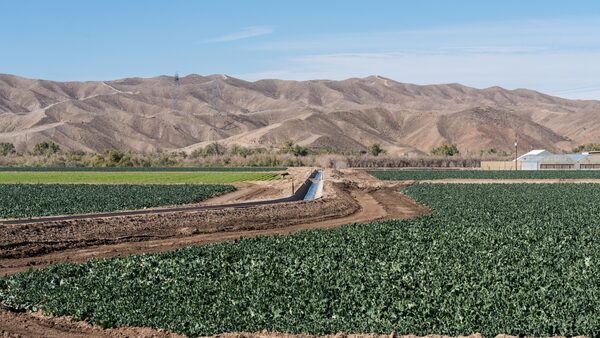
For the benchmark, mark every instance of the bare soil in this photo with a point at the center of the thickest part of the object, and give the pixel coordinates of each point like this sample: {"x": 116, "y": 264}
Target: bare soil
{"x": 349, "y": 199}
{"x": 261, "y": 190}
{"x": 35, "y": 325}
{"x": 511, "y": 181}
{"x": 343, "y": 335}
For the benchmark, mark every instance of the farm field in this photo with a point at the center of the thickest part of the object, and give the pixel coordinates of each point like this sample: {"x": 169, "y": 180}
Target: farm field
{"x": 31, "y": 200}
{"x": 132, "y": 177}
{"x": 146, "y": 169}
{"x": 482, "y": 174}
{"x": 513, "y": 259}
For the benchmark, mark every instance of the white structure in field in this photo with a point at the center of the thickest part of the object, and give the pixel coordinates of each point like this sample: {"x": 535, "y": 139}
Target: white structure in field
{"x": 590, "y": 162}
{"x": 544, "y": 160}
{"x": 531, "y": 160}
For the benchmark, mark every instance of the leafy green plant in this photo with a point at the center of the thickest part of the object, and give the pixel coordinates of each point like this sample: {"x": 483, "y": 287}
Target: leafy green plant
{"x": 522, "y": 260}
{"x": 133, "y": 177}
{"x": 482, "y": 174}
{"x": 145, "y": 169}
{"x": 43, "y": 200}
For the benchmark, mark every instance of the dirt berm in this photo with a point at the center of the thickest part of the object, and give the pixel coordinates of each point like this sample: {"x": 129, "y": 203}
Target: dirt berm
{"x": 27, "y": 240}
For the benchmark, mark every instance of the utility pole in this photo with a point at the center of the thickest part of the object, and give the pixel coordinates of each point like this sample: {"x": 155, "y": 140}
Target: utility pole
{"x": 293, "y": 186}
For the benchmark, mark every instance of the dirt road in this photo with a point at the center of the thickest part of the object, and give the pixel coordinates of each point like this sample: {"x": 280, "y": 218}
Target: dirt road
{"x": 510, "y": 181}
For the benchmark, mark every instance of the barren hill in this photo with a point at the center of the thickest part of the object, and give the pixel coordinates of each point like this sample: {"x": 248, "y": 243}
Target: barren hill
{"x": 146, "y": 114}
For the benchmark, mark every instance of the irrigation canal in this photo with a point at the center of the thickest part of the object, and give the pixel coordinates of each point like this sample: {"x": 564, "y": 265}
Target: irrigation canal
{"x": 311, "y": 189}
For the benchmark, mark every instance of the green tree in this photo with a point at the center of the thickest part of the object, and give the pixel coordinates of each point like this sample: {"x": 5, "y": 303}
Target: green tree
{"x": 7, "y": 149}
{"x": 587, "y": 147}
{"x": 114, "y": 156}
{"x": 215, "y": 149}
{"x": 240, "y": 151}
{"x": 375, "y": 149}
{"x": 446, "y": 149}
{"x": 295, "y": 149}
{"x": 45, "y": 148}
{"x": 287, "y": 147}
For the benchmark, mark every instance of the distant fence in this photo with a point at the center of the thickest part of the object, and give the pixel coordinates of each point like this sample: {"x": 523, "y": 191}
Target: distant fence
{"x": 499, "y": 165}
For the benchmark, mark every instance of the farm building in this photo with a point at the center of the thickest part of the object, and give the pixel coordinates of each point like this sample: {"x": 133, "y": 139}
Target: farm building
{"x": 544, "y": 160}
{"x": 562, "y": 161}
{"x": 531, "y": 160}
{"x": 590, "y": 162}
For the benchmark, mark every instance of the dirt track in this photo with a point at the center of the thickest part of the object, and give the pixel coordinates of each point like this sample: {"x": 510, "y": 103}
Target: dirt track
{"x": 353, "y": 206}
{"x": 509, "y": 181}
{"x": 350, "y": 198}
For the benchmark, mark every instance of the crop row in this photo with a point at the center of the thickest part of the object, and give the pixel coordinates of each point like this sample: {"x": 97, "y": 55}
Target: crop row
{"x": 147, "y": 169}
{"x": 142, "y": 177}
{"x": 482, "y": 174}
{"x": 514, "y": 259}
{"x": 30, "y": 200}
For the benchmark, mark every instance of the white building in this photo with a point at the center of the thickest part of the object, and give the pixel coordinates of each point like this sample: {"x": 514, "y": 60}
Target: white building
{"x": 531, "y": 160}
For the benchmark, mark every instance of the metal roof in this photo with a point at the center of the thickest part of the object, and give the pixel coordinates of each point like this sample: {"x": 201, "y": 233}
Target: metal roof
{"x": 538, "y": 153}
{"x": 590, "y": 160}
{"x": 558, "y": 159}
{"x": 577, "y": 157}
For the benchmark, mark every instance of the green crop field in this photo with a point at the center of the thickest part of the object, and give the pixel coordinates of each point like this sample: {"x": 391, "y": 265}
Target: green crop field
{"x": 148, "y": 169}
{"x": 30, "y": 200}
{"x": 132, "y": 177}
{"x": 482, "y": 174}
{"x": 516, "y": 259}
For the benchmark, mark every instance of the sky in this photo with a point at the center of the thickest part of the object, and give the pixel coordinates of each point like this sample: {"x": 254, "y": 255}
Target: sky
{"x": 552, "y": 46}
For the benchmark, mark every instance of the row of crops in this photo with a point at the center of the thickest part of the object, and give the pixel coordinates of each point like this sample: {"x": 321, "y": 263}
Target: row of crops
{"x": 29, "y": 200}
{"x": 146, "y": 169}
{"x": 514, "y": 259}
{"x": 483, "y": 174}
{"x": 133, "y": 177}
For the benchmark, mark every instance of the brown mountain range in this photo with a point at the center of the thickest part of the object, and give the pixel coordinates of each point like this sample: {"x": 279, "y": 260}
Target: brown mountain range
{"x": 146, "y": 114}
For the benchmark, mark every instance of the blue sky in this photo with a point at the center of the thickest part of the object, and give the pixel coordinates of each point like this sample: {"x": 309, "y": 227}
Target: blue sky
{"x": 551, "y": 46}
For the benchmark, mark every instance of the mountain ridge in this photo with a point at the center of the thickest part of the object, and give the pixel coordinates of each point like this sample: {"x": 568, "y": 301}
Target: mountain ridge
{"x": 146, "y": 114}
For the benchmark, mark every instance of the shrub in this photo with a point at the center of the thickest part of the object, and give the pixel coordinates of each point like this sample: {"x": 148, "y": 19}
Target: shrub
{"x": 587, "y": 147}
{"x": 375, "y": 149}
{"x": 7, "y": 149}
{"x": 295, "y": 149}
{"x": 446, "y": 149}
{"x": 45, "y": 148}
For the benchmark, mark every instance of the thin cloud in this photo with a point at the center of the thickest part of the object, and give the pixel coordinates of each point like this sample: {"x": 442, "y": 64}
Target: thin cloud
{"x": 486, "y": 36}
{"x": 551, "y": 56}
{"x": 246, "y": 33}
{"x": 551, "y": 71}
